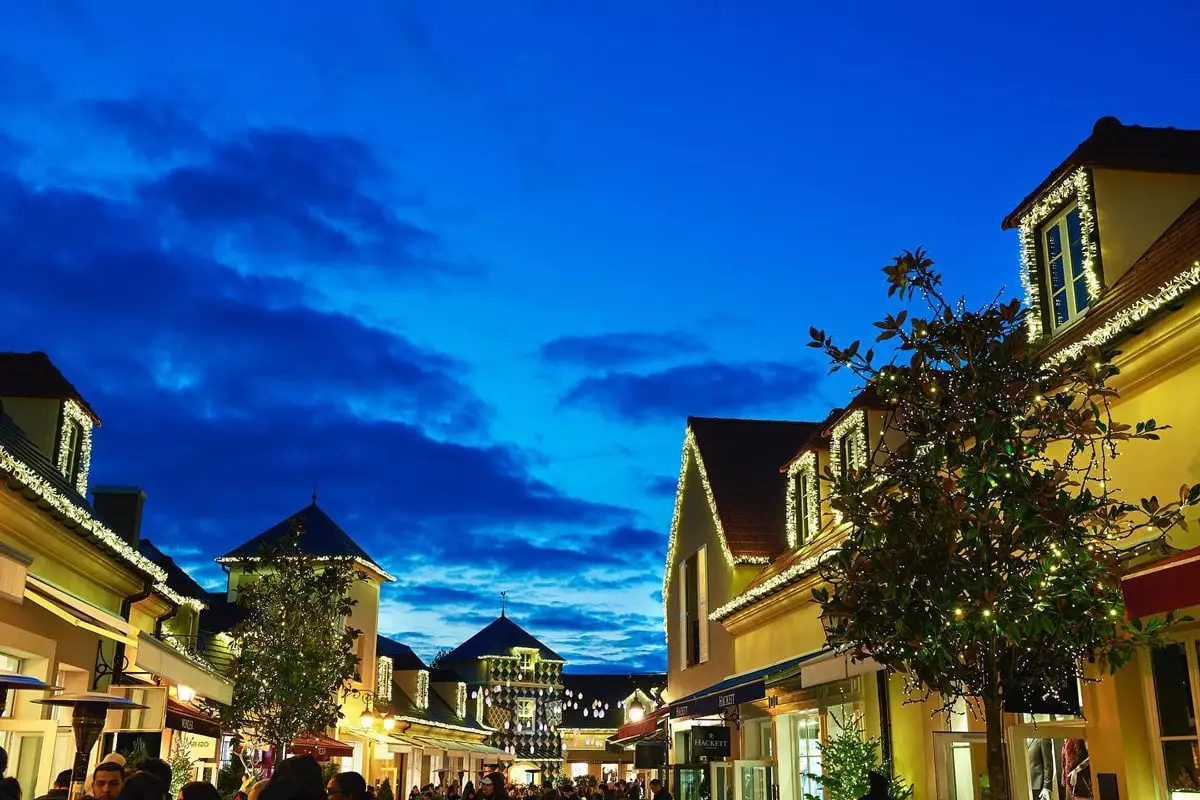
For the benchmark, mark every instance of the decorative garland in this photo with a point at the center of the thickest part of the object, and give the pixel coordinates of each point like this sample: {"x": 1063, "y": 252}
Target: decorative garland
{"x": 460, "y": 701}
{"x": 72, "y": 412}
{"x": 383, "y": 678}
{"x": 803, "y": 468}
{"x": 854, "y": 423}
{"x": 1077, "y": 185}
{"x": 422, "y": 689}
{"x": 362, "y": 562}
{"x": 771, "y": 585}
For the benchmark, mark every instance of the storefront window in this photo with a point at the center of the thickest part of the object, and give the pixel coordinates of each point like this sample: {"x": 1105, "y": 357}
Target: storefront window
{"x": 808, "y": 752}
{"x": 1176, "y": 714}
{"x": 8, "y": 664}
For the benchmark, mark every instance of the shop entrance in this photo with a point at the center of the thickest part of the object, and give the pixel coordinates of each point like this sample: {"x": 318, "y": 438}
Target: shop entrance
{"x": 960, "y": 765}
{"x": 1050, "y": 762}
{"x": 30, "y": 747}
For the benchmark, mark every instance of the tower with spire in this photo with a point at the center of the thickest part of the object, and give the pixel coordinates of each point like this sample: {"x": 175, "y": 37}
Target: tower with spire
{"x": 515, "y": 689}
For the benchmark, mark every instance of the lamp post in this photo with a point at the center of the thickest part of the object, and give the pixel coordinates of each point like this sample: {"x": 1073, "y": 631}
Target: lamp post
{"x": 88, "y": 711}
{"x": 637, "y": 711}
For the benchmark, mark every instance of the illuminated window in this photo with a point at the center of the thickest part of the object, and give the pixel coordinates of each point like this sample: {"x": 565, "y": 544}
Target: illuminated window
{"x": 807, "y": 734}
{"x": 527, "y": 658}
{"x": 383, "y": 679}
{"x": 69, "y": 458}
{"x": 1063, "y": 261}
{"x": 526, "y": 709}
{"x": 807, "y": 502}
{"x": 460, "y": 701}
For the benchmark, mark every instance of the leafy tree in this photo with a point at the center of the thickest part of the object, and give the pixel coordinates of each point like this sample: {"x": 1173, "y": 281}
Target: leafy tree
{"x": 985, "y": 544}
{"x": 847, "y": 759}
{"x": 293, "y": 651}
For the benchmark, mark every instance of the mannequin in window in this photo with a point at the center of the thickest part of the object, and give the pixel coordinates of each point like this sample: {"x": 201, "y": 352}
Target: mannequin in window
{"x": 1077, "y": 771}
{"x": 1041, "y": 768}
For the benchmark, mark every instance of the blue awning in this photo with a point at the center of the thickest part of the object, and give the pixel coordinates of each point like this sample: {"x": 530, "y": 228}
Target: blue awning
{"x": 744, "y": 688}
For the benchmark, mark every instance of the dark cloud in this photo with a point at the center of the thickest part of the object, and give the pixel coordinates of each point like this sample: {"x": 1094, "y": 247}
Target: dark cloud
{"x": 286, "y": 195}
{"x": 709, "y": 388}
{"x": 154, "y": 127}
{"x": 663, "y": 485}
{"x": 611, "y": 350}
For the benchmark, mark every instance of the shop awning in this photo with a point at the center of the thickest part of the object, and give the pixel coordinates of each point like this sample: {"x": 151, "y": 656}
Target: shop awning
{"x": 823, "y": 666}
{"x": 1163, "y": 586}
{"x": 729, "y": 693}
{"x": 631, "y": 731}
{"x": 183, "y": 717}
{"x": 321, "y": 748}
{"x": 76, "y": 612}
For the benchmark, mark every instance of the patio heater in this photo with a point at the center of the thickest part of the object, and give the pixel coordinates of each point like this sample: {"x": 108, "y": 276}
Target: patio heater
{"x": 12, "y": 681}
{"x": 88, "y": 712}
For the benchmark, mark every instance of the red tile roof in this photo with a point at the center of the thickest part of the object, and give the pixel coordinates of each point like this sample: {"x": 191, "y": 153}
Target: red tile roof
{"x": 1117, "y": 146}
{"x": 34, "y": 375}
{"x": 1172, "y": 254}
{"x": 742, "y": 458}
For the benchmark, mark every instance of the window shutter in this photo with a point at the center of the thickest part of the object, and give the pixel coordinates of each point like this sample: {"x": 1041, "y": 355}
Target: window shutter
{"x": 681, "y": 598}
{"x": 702, "y": 605}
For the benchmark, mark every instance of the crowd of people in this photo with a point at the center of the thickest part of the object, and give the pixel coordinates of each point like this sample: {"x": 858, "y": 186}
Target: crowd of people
{"x": 495, "y": 787}
{"x": 301, "y": 778}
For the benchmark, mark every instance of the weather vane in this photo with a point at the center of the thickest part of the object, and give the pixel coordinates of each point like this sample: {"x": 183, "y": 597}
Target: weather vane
{"x": 503, "y": 602}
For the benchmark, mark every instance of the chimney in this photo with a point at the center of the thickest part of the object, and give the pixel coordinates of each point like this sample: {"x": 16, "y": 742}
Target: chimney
{"x": 121, "y": 509}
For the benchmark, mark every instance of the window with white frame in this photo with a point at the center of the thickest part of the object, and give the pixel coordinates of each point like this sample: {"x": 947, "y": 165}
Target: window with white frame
{"x": 526, "y": 659}
{"x": 1062, "y": 252}
{"x": 526, "y": 709}
{"x": 807, "y": 501}
{"x": 1175, "y": 669}
{"x": 693, "y": 610}
{"x": 807, "y": 733}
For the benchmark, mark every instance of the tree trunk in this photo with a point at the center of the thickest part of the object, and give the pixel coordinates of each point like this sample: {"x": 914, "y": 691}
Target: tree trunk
{"x": 997, "y": 763}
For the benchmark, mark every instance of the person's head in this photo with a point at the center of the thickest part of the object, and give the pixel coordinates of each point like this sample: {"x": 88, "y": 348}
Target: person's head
{"x": 114, "y": 758}
{"x": 346, "y": 786}
{"x": 199, "y": 790}
{"x": 257, "y": 789}
{"x": 143, "y": 785}
{"x": 878, "y": 784}
{"x": 63, "y": 780}
{"x": 295, "y": 778}
{"x": 655, "y": 785}
{"x": 3, "y": 761}
{"x": 159, "y": 769}
{"x": 107, "y": 780}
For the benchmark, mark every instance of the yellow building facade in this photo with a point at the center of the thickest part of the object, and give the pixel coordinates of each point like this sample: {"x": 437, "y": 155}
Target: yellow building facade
{"x": 1110, "y": 256}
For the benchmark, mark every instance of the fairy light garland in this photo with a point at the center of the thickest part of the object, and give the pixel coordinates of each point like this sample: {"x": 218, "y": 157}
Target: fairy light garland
{"x": 179, "y": 599}
{"x": 384, "y": 671}
{"x": 1077, "y": 185}
{"x": 79, "y": 516}
{"x": 422, "y": 689}
{"x": 854, "y": 424}
{"x": 460, "y": 701}
{"x": 803, "y": 469}
{"x": 1132, "y": 314}
{"x": 692, "y": 450}
{"x": 362, "y": 562}
{"x": 771, "y": 585}
{"x": 72, "y": 412}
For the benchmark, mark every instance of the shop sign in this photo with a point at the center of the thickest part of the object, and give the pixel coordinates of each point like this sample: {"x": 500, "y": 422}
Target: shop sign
{"x": 719, "y": 702}
{"x": 710, "y": 743}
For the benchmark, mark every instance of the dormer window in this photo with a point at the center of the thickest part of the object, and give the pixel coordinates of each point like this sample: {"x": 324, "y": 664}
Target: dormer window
{"x": 848, "y": 443}
{"x": 1065, "y": 269}
{"x": 526, "y": 659}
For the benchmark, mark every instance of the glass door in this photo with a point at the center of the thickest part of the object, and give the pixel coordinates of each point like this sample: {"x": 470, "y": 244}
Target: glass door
{"x": 960, "y": 765}
{"x": 30, "y": 747}
{"x": 755, "y": 780}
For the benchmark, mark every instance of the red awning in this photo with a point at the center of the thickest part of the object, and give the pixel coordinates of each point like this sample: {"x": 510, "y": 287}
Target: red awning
{"x": 1163, "y": 586}
{"x": 647, "y": 726}
{"x": 322, "y": 748}
{"x": 188, "y": 718}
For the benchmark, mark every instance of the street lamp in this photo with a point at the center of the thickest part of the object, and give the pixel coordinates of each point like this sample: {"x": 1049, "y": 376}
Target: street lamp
{"x": 367, "y": 720}
{"x": 88, "y": 711}
{"x": 637, "y": 711}
{"x": 389, "y": 723}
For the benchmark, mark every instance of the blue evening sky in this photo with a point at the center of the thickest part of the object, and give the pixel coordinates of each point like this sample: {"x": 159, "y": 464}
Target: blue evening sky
{"x": 468, "y": 266}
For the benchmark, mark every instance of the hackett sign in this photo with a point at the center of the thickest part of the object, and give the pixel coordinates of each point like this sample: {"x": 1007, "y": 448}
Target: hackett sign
{"x": 716, "y": 703}
{"x": 709, "y": 744}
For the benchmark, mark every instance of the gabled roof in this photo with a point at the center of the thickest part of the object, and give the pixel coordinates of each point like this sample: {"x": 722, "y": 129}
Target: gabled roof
{"x": 177, "y": 578}
{"x": 1127, "y": 147}
{"x": 498, "y": 639}
{"x": 1170, "y": 262}
{"x": 322, "y": 537}
{"x": 595, "y": 692}
{"x": 403, "y": 657}
{"x": 34, "y": 375}
{"x": 741, "y": 458}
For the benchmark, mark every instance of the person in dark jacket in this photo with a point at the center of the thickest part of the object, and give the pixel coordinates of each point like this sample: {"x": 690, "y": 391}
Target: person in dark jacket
{"x": 7, "y": 791}
{"x": 658, "y": 791}
{"x": 198, "y": 790}
{"x": 61, "y": 787}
